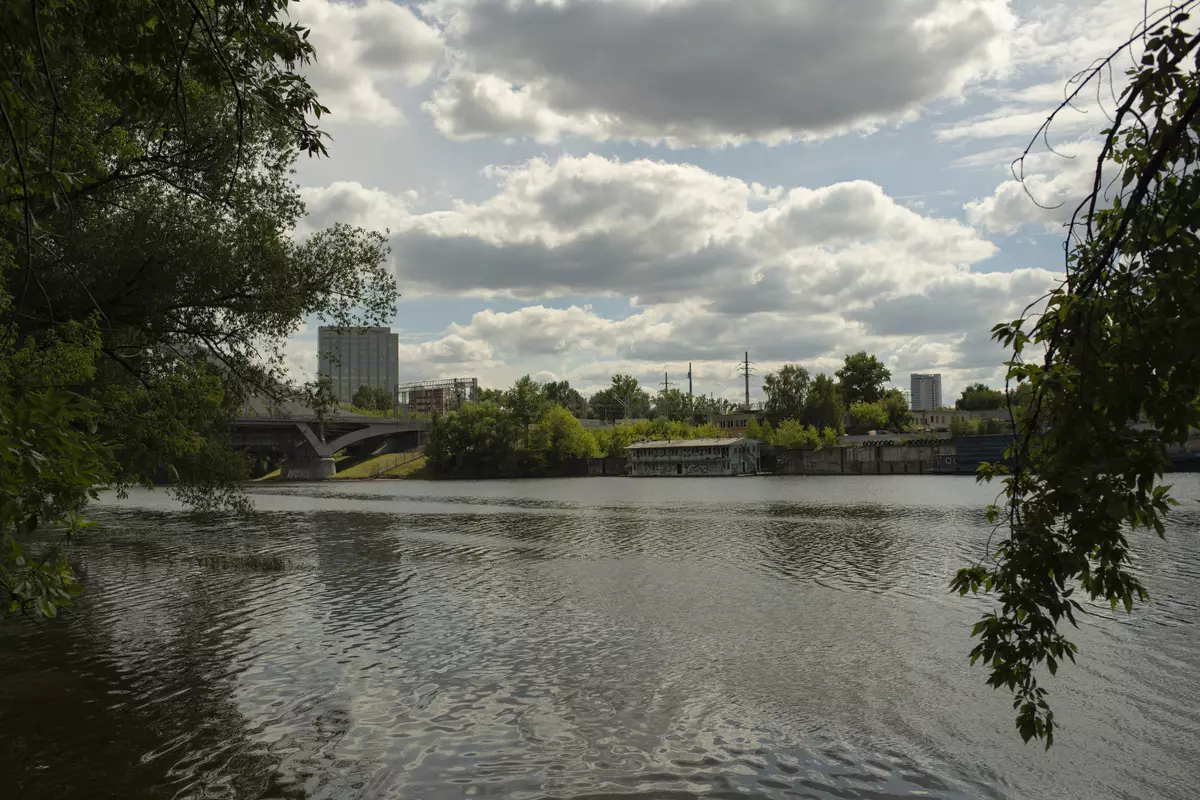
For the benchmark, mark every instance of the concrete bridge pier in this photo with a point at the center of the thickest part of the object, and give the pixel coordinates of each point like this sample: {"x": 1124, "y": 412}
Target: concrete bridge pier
{"x": 307, "y": 469}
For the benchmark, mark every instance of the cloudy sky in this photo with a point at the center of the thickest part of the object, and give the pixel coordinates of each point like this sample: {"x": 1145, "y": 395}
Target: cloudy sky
{"x": 575, "y": 188}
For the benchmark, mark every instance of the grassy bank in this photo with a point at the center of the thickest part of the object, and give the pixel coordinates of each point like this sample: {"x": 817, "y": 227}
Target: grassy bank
{"x": 370, "y": 469}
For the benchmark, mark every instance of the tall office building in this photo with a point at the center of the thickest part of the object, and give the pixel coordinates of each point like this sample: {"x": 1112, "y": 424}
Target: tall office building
{"x": 926, "y": 391}
{"x": 354, "y": 357}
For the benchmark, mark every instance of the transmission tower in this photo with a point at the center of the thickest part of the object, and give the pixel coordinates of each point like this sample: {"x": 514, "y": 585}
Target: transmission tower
{"x": 745, "y": 369}
{"x": 691, "y": 402}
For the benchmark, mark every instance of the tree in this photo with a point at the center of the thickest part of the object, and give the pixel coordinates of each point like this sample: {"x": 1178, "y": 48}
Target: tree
{"x": 148, "y": 271}
{"x": 795, "y": 436}
{"x": 673, "y": 405}
{"x": 558, "y": 437}
{"x": 762, "y": 431}
{"x": 823, "y": 406}
{"x": 862, "y": 377}
{"x": 477, "y": 440}
{"x": 1116, "y": 343}
{"x": 867, "y": 417}
{"x": 527, "y": 403}
{"x": 560, "y": 393}
{"x": 978, "y": 397}
{"x": 624, "y": 398}
{"x": 372, "y": 398}
{"x": 899, "y": 416}
{"x": 705, "y": 407}
{"x": 787, "y": 392}
{"x": 492, "y": 396}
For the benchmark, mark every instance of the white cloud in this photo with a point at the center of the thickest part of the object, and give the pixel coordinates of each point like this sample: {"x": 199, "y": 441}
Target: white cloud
{"x": 354, "y": 204}
{"x": 1052, "y": 43}
{"x": 651, "y": 70}
{"x": 1054, "y": 184}
{"x": 712, "y": 266}
{"x": 364, "y": 48}
{"x": 664, "y": 233}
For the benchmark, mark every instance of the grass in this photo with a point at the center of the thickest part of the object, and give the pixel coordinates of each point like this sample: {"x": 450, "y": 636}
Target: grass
{"x": 273, "y": 475}
{"x": 370, "y": 468}
{"x": 245, "y": 562}
{"x": 413, "y": 470}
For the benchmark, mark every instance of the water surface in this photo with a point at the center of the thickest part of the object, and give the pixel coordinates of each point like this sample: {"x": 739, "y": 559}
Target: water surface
{"x": 767, "y": 637}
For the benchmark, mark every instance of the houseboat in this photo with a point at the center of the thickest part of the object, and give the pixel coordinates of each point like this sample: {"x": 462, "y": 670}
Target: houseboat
{"x": 694, "y": 458}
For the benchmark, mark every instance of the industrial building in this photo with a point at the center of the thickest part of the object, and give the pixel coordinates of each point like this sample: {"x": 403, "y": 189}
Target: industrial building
{"x": 734, "y": 424}
{"x": 694, "y": 458}
{"x": 354, "y": 357}
{"x": 436, "y": 397}
{"x": 926, "y": 391}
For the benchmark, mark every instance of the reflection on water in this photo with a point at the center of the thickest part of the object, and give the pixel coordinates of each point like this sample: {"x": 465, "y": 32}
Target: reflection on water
{"x": 784, "y": 637}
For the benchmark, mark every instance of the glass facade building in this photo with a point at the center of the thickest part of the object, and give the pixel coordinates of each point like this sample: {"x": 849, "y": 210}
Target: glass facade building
{"x": 926, "y": 391}
{"x": 354, "y": 357}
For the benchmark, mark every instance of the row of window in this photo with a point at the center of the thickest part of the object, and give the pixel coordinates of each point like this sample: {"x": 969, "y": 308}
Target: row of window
{"x": 690, "y": 452}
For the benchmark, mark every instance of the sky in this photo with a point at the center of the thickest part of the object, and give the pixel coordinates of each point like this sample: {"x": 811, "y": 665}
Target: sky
{"x": 576, "y": 188}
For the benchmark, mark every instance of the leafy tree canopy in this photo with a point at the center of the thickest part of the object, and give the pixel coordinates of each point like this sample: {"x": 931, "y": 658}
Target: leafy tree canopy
{"x": 823, "y": 406}
{"x": 623, "y": 399}
{"x": 148, "y": 269}
{"x": 867, "y": 417}
{"x": 1118, "y": 342}
{"x": 862, "y": 377}
{"x": 787, "y": 392}
{"x": 979, "y": 397}
{"x": 560, "y": 393}
{"x": 899, "y": 416}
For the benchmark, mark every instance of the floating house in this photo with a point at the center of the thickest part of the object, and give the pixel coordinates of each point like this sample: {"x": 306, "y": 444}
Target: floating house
{"x": 694, "y": 457}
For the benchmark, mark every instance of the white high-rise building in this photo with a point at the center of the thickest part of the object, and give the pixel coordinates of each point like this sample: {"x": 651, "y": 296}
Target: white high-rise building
{"x": 354, "y": 357}
{"x": 926, "y": 391}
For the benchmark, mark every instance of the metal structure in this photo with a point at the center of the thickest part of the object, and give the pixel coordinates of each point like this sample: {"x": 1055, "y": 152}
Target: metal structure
{"x": 436, "y": 396}
{"x": 744, "y": 370}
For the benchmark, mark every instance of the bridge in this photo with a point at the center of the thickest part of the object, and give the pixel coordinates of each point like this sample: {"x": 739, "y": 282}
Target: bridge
{"x": 308, "y": 443}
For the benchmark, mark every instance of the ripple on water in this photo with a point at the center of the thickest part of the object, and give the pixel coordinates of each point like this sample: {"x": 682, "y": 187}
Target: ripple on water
{"x": 558, "y": 639}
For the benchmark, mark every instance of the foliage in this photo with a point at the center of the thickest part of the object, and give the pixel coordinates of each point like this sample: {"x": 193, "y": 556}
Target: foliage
{"x": 705, "y": 407}
{"x": 979, "y": 427}
{"x": 624, "y": 399}
{"x": 793, "y": 435}
{"x": 1119, "y": 341}
{"x": 867, "y": 417}
{"x": 978, "y": 397}
{"x": 787, "y": 392}
{"x": 372, "y": 398}
{"x": 477, "y": 440}
{"x": 560, "y": 393}
{"x": 899, "y": 416}
{"x": 823, "y": 406}
{"x": 526, "y": 401}
{"x": 484, "y": 440}
{"x": 613, "y": 440}
{"x": 491, "y": 396}
{"x": 148, "y": 271}
{"x": 673, "y": 404}
{"x": 761, "y": 431}
{"x": 51, "y": 463}
{"x": 862, "y": 377}
{"x": 559, "y": 437}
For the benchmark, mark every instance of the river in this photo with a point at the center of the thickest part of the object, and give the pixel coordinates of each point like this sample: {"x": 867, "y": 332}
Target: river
{"x": 667, "y": 638}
